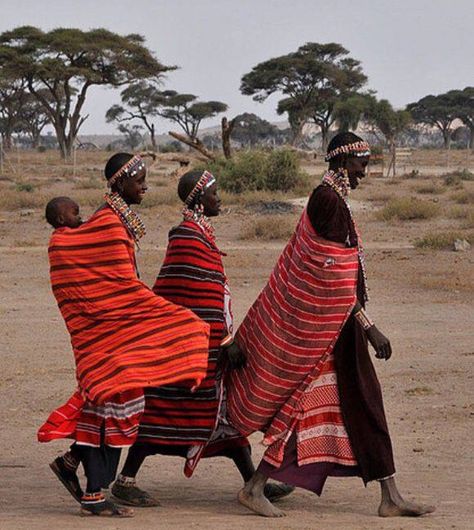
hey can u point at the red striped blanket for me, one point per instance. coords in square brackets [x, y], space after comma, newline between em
[192, 275]
[123, 335]
[288, 335]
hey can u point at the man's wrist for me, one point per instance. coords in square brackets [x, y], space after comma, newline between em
[364, 320]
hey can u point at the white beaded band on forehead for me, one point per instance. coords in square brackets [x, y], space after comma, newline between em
[205, 181]
[358, 149]
[130, 169]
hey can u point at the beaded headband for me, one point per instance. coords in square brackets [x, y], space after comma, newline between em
[205, 181]
[130, 169]
[358, 149]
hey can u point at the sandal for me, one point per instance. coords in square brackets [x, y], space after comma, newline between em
[68, 478]
[131, 495]
[95, 504]
[276, 491]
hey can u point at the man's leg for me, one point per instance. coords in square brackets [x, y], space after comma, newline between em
[65, 468]
[252, 496]
[125, 487]
[100, 465]
[393, 504]
[242, 457]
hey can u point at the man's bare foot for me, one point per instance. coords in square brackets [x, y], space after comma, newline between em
[402, 508]
[258, 504]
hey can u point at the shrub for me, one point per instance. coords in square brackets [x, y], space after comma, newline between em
[456, 177]
[463, 197]
[441, 240]
[407, 208]
[269, 228]
[259, 170]
[172, 147]
[25, 186]
[283, 170]
[429, 189]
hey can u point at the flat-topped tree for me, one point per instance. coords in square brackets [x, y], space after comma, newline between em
[67, 62]
[463, 101]
[140, 101]
[312, 79]
[13, 97]
[390, 123]
[186, 111]
[437, 111]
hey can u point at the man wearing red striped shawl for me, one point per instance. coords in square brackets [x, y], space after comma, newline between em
[178, 421]
[125, 338]
[309, 383]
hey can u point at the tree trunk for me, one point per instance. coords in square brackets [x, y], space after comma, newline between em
[297, 134]
[195, 143]
[471, 137]
[7, 140]
[324, 136]
[227, 127]
[446, 138]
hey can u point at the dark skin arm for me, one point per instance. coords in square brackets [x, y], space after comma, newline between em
[380, 343]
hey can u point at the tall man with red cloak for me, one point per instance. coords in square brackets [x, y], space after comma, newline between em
[309, 383]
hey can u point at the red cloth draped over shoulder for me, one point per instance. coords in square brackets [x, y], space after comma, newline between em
[192, 275]
[289, 332]
[123, 335]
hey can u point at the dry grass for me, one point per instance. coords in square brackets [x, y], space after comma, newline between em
[407, 209]
[269, 228]
[92, 183]
[11, 199]
[463, 197]
[429, 188]
[167, 196]
[419, 391]
[442, 240]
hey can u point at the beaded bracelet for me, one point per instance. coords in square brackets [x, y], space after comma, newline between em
[363, 319]
[226, 341]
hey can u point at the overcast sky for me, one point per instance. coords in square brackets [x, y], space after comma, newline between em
[408, 48]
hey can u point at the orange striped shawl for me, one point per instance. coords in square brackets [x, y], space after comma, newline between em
[289, 332]
[123, 335]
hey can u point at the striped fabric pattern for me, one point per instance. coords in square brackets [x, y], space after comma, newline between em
[288, 336]
[123, 335]
[192, 275]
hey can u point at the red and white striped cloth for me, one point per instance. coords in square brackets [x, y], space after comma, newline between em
[289, 383]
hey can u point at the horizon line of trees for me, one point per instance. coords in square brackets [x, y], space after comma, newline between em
[45, 78]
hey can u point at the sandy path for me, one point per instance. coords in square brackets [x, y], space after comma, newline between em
[428, 388]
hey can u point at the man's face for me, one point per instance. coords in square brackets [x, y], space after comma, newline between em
[133, 189]
[356, 168]
[211, 201]
[68, 214]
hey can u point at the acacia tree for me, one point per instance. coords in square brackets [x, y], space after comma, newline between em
[436, 111]
[391, 123]
[34, 118]
[252, 130]
[12, 100]
[140, 101]
[187, 112]
[133, 134]
[463, 101]
[67, 62]
[313, 79]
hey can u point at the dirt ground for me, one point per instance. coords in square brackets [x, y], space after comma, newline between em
[421, 298]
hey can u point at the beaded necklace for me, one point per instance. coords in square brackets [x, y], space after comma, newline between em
[339, 182]
[129, 218]
[202, 220]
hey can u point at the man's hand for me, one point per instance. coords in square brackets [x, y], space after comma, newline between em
[234, 355]
[380, 343]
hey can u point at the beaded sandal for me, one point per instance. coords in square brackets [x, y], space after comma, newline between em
[67, 477]
[96, 504]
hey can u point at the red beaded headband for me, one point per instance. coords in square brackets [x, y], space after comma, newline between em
[130, 169]
[355, 149]
[205, 180]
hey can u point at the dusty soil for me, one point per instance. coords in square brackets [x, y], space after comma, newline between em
[422, 299]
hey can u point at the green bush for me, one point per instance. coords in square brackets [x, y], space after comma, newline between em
[25, 186]
[256, 170]
[456, 177]
[407, 208]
